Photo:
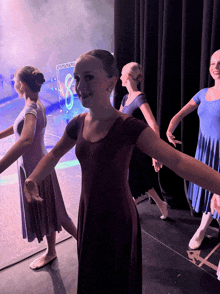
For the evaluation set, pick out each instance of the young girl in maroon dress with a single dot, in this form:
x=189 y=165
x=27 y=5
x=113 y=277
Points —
x=109 y=235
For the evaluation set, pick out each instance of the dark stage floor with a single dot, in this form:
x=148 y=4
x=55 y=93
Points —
x=168 y=266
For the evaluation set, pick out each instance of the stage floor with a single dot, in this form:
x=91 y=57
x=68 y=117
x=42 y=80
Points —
x=167 y=267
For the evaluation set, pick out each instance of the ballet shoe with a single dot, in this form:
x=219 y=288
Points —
x=164 y=210
x=42 y=261
x=195 y=242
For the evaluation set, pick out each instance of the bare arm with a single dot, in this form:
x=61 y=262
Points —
x=183 y=165
x=150 y=119
x=121 y=107
x=22 y=144
x=49 y=161
x=9 y=131
x=45 y=166
x=187 y=109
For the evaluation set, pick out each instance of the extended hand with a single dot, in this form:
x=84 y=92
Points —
x=31 y=191
x=157 y=165
x=215 y=204
x=171 y=138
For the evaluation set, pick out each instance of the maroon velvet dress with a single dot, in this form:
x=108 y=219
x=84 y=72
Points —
x=109 y=234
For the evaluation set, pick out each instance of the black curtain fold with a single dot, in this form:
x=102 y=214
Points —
x=173 y=41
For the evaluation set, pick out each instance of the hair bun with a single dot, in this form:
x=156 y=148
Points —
x=31 y=76
x=39 y=78
x=139 y=78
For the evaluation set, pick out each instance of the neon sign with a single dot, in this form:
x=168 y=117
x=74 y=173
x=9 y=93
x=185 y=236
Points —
x=69 y=81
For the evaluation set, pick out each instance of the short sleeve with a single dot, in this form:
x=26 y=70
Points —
x=141 y=99
x=32 y=108
x=73 y=127
x=133 y=128
x=124 y=100
x=199 y=95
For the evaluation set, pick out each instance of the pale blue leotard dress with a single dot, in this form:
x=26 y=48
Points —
x=207 y=149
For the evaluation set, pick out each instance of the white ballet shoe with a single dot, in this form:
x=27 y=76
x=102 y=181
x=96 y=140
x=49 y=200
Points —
x=196 y=241
x=164 y=210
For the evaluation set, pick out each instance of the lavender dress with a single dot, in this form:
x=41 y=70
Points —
x=38 y=219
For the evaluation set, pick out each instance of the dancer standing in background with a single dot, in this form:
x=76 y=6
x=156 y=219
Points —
x=142 y=177
x=43 y=219
x=207 y=101
x=109 y=235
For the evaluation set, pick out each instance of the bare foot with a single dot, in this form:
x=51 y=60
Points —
x=42 y=261
x=164 y=210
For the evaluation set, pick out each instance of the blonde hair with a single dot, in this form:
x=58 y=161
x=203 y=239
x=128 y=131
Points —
x=216 y=52
x=134 y=69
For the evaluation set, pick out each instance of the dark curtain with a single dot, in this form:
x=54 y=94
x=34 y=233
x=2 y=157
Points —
x=173 y=41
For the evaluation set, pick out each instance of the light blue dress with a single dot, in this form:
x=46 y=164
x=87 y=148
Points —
x=207 y=149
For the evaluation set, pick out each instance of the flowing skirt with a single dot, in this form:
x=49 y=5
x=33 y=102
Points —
x=207 y=151
x=41 y=219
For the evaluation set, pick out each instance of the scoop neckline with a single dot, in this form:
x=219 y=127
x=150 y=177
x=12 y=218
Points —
x=101 y=138
x=133 y=100
x=210 y=100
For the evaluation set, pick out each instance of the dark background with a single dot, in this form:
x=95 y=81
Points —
x=173 y=41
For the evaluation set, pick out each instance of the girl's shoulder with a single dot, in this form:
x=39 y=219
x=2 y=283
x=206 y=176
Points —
x=32 y=108
x=200 y=96
x=131 y=127
x=74 y=125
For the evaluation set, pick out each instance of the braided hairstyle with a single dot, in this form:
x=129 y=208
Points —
x=31 y=76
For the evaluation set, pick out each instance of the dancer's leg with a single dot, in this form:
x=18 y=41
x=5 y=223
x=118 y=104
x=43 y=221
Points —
x=162 y=205
x=49 y=255
x=199 y=235
x=70 y=227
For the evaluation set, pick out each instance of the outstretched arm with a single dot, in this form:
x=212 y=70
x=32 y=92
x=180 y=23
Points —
x=183 y=165
x=150 y=119
x=9 y=131
x=187 y=109
x=45 y=166
x=22 y=144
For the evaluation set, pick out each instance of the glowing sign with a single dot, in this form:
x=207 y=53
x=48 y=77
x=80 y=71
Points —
x=69 y=93
x=66 y=85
